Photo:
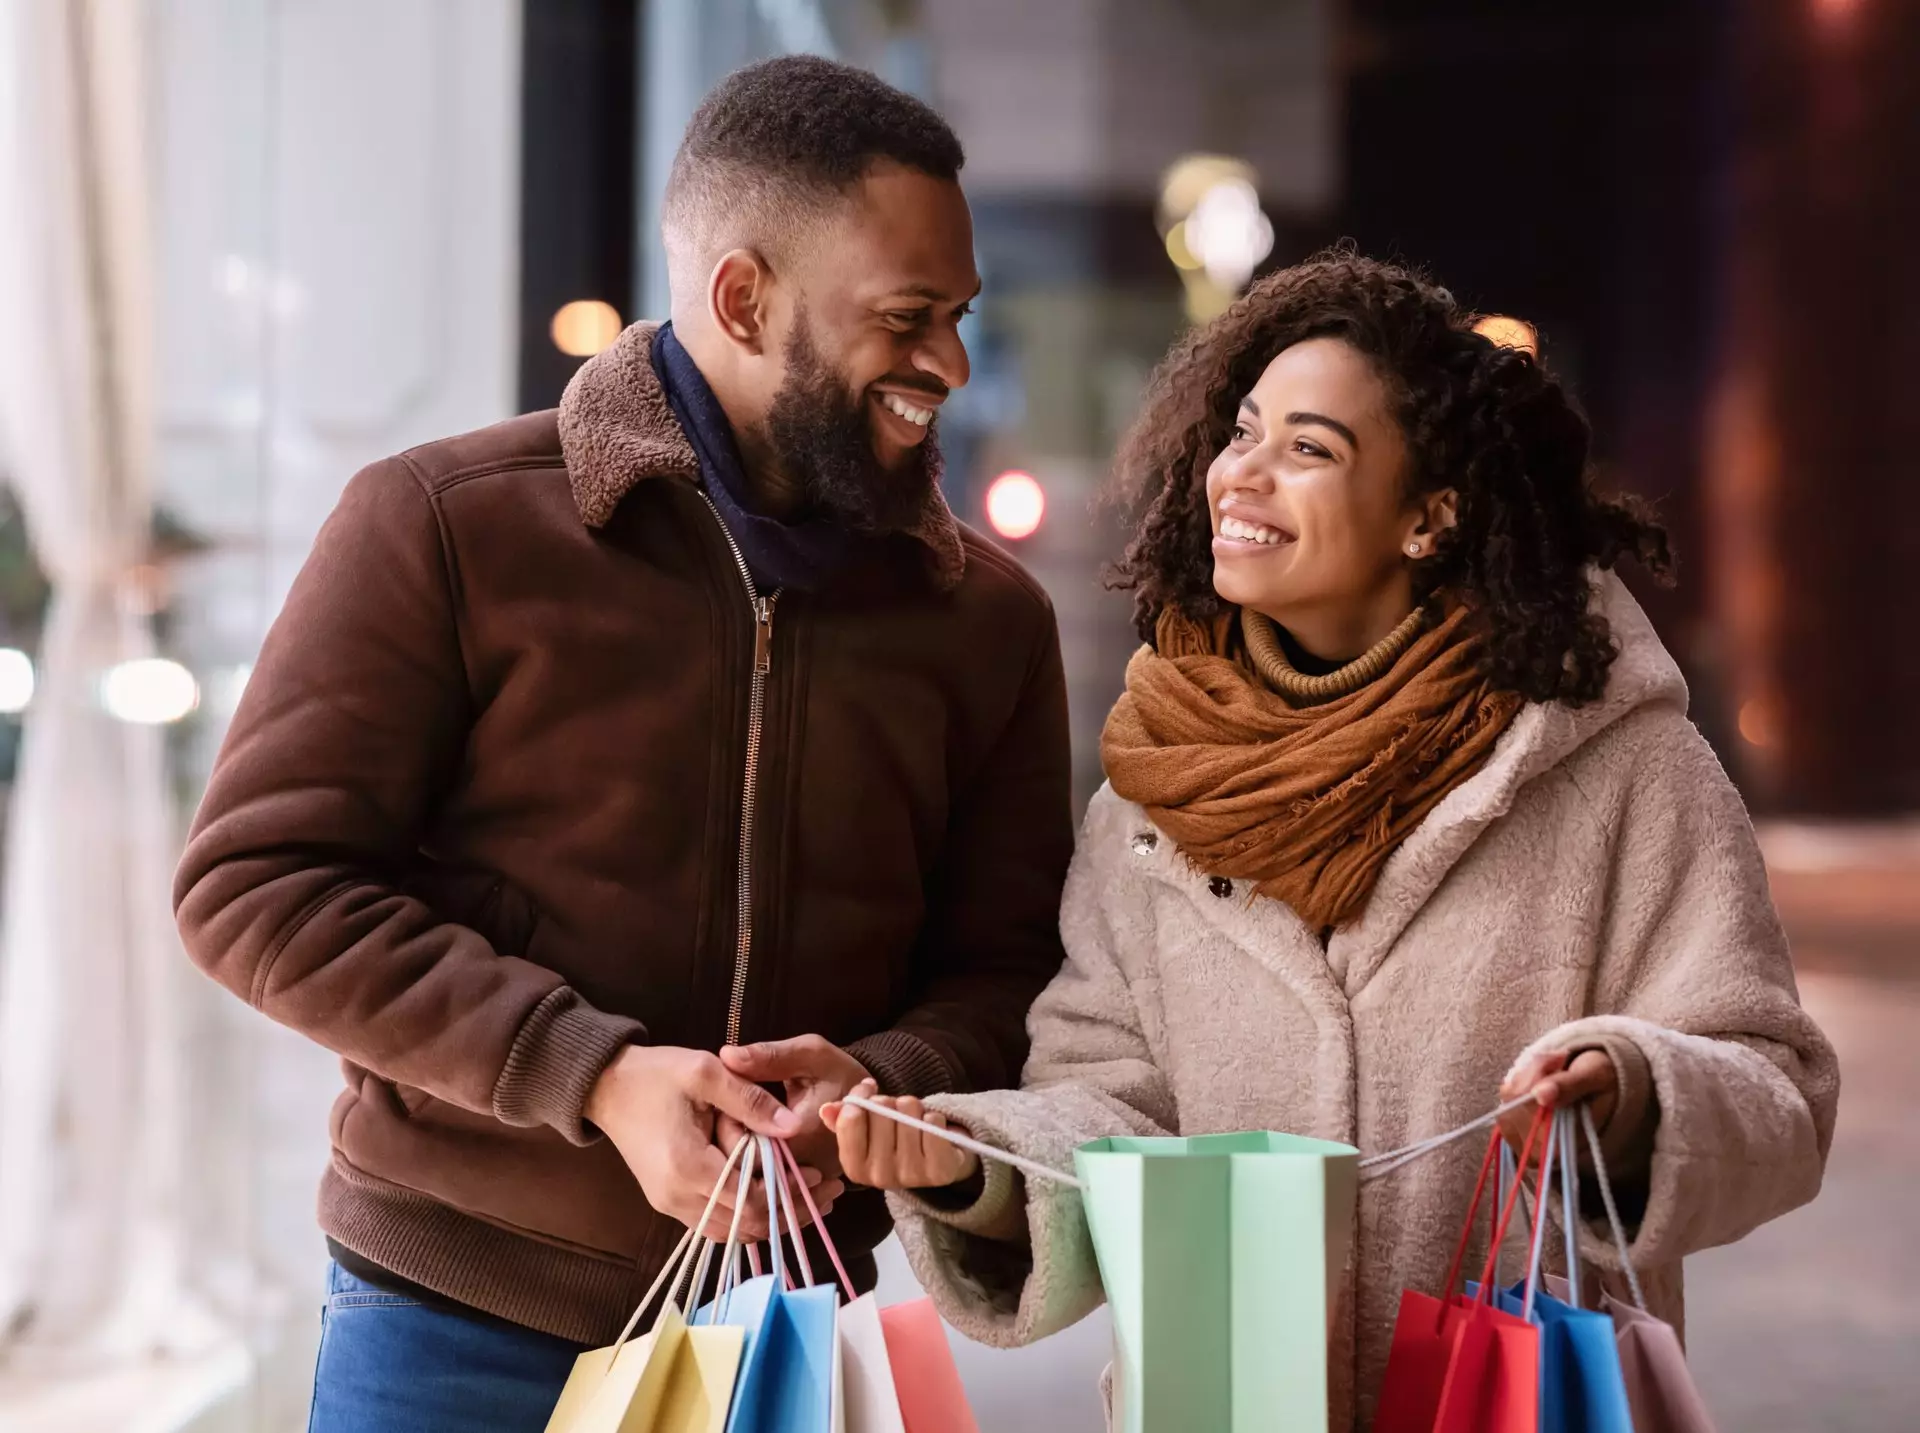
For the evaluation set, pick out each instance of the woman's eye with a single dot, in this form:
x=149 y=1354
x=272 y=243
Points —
x=1241 y=433
x=1310 y=448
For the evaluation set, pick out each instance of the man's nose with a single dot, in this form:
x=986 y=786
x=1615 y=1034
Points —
x=944 y=356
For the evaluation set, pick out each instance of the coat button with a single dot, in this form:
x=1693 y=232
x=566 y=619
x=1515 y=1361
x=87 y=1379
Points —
x=1220 y=886
x=1144 y=842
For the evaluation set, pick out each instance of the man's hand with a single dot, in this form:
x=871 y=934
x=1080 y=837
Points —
x=1553 y=1083
x=660 y=1106
x=815 y=1072
x=885 y=1154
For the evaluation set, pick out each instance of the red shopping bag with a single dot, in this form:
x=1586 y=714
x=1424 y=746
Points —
x=1458 y=1364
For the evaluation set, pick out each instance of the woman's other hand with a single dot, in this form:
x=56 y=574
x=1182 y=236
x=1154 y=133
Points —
x=885 y=1154
x=1553 y=1082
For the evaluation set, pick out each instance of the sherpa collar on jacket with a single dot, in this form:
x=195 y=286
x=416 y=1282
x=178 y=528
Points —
x=617 y=429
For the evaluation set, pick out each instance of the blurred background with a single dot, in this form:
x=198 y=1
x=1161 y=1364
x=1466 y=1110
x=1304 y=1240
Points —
x=247 y=246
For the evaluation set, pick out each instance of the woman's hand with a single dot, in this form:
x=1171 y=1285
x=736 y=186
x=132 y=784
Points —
x=885 y=1154
x=1553 y=1083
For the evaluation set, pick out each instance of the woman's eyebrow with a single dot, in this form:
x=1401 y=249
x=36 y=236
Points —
x=1324 y=421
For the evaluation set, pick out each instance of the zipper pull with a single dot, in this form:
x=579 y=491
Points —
x=763 y=635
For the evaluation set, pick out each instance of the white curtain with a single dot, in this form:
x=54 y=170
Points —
x=91 y=1118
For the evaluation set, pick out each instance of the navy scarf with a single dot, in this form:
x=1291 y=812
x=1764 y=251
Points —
x=801 y=556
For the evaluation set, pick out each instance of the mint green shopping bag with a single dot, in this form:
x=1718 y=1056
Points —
x=1222 y=1258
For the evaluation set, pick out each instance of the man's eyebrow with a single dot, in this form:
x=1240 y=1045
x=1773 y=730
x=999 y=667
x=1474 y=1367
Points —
x=932 y=294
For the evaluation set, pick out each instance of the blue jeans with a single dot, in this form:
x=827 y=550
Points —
x=391 y=1364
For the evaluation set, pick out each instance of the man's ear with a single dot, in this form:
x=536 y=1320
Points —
x=738 y=294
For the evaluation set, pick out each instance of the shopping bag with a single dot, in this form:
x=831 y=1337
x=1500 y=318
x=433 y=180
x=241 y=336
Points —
x=1661 y=1393
x=671 y=1379
x=927 y=1382
x=787 y=1364
x=1222 y=1258
x=894 y=1372
x=1458 y=1363
x=864 y=1396
x=1660 y=1387
x=1583 y=1387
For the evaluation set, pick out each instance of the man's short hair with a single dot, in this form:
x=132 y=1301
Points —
x=774 y=145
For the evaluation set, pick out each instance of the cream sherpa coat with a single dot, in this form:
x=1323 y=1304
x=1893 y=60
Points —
x=1596 y=883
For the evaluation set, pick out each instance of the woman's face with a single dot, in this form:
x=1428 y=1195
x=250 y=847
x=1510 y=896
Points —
x=1311 y=521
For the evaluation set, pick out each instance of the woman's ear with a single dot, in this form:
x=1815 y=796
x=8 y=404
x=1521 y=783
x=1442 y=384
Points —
x=1439 y=513
x=738 y=291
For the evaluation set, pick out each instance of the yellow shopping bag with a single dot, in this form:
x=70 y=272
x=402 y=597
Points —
x=671 y=1379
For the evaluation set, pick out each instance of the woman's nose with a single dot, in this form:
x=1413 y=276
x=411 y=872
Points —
x=1247 y=473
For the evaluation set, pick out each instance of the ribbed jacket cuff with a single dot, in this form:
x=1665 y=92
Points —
x=561 y=1051
x=999 y=1213
x=903 y=1064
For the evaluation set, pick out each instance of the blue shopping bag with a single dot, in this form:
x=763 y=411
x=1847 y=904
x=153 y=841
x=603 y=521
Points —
x=1582 y=1388
x=786 y=1366
x=787 y=1362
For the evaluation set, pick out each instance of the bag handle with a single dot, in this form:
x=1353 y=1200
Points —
x=1543 y=1192
x=675 y=1260
x=1376 y=1166
x=813 y=1209
x=730 y=1259
x=1565 y=1119
x=1613 y=1209
x=778 y=1251
x=1503 y=1180
x=1500 y=1233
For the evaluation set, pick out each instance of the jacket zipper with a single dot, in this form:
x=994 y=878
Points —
x=762 y=610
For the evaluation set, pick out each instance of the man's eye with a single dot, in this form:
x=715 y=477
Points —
x=907 y=318
x=962 y=311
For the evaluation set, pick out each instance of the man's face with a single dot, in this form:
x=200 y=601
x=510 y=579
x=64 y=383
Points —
x=872 y=349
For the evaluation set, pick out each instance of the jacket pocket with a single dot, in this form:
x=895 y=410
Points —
x=480 y=899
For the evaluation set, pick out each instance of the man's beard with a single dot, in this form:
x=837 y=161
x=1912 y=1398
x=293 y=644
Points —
x=822 y=434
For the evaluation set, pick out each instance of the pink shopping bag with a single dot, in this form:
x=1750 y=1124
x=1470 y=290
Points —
x=932 y=1399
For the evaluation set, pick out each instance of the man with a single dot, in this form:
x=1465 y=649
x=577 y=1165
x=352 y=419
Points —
x=613 y=766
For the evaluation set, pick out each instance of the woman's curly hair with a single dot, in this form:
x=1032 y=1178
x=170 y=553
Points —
x=1487 y=421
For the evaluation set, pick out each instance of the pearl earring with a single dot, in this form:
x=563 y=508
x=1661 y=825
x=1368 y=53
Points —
x=1413 y=549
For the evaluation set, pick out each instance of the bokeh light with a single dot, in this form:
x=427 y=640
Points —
x=150 y=691
x=16 y=680
x=584 y=327
x=1016 y=504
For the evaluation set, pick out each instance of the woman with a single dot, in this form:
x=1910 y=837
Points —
x=1404 y=815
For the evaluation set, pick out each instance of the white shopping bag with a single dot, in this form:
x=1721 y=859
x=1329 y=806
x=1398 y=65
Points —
x=864 y=1400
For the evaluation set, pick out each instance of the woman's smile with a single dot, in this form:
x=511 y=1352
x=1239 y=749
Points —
x=1243 y=530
